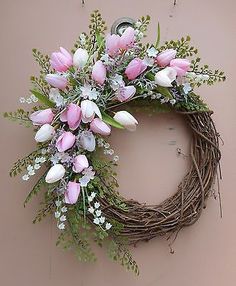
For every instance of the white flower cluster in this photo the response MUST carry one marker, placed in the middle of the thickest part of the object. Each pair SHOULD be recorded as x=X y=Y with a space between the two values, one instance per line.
x=32 y=168
x=97 y=213
x=107 y=150
x=60 y=214
x=31 y=99
x=197 y=77
x=88 y=174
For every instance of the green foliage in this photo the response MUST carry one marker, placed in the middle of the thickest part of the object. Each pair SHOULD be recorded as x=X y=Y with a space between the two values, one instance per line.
x=20 y=116
x=40 y=84
x=117 y=251
x=43 y=61
x=44 y=99
x=194 y=103
x=214 y=75
x=36 y=189
x=158 y=36
x=47 y=206
x=182 y=47
x=22 y=164
x=144 y=22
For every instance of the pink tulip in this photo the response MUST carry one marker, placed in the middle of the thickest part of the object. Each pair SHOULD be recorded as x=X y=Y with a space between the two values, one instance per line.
x=61 y=61
x=41 y=117
x=72 y=115
x=112 y=44
x=164 y=58
x=80 y=163
x=127 y=38
x=72 y=193
x=126 y=92
x=135 y=68
x=99 y=72
x=180 y=65
x=56 y=80
x=65 y=141
x=100 y=127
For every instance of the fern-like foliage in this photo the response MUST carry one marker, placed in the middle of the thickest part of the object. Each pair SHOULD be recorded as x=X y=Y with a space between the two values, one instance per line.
x=119 y=252
x=182 y=46
x=43 y=61
x=36 y=189
x=144 y=21
x=20 y=116
x=39 y=83
x=22 y=164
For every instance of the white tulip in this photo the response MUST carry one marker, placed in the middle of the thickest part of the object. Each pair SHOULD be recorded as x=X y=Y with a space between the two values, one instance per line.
x=55 y=174
x=165 y=77
x=80 y=58
x=45 y=133
x=87 y=141
x=89 y=109
x=126 y=119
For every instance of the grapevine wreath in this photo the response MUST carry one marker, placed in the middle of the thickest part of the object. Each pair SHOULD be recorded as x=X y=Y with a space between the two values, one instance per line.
x=81 y=95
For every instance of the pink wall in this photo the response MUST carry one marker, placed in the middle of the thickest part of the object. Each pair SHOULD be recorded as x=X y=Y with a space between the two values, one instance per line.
x=205 y=254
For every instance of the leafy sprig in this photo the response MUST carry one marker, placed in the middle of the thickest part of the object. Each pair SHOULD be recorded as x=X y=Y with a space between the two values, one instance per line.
x=20 y=116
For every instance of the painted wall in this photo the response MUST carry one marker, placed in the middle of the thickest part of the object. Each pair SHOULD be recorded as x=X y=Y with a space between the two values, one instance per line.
x=150 y=169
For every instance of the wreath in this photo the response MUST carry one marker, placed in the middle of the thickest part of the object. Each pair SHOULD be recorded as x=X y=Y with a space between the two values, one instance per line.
x=81 y=95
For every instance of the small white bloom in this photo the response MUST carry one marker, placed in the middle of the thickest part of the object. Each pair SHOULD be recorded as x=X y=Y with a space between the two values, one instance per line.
x=90 y=199
x=25 y=177
x=106 y=145
x=205 y=77
x=152 y=52
x=61 y=226
x=55 y=96
x=116 y=82
x=58 y=203
x=111 y=152
x=37 y=166
x=116 y=158
x=44 y=151
x=93 y=195
x=96 y=220
x=28 y=100
x=97 y=205
x=105 y=58
x=42 y=160
x=89 y=172
x=34 y=98
x=89 y=92
x=100 y=142
x=91 y=210
x=31 y=172
x=138 y=24
x=102 y=219
x=82 y=38
x=187 y=88
x=84 y=181
x=191 y=75
x=172 y=101
x=98 y=212
x=57 y=214
x=63 y=218
x=64 y=209
x=22 y=100
x=148 y=61
x=30 y=168
x=108 y=226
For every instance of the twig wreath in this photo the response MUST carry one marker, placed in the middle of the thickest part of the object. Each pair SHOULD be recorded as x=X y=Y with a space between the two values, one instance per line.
x=82 y=95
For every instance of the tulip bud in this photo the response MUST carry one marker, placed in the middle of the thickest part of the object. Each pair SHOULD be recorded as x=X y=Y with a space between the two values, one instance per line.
x=55 y=174
x=56 y=80
x=100 y=127
x=44 y=133
x=80 y=58
x=87 y=141
x=41 y=117
x=65 y=141
x=72 y=193
x=112 y=44
x=126 y=92
x=61 y=61
x=165 y=77
x=180 y=65
x=80 y=163
x=89 y=109
x=164 y=58
x=72 y=115
x=127 y=38
x=99 y=72
x=135 y=68
x=126 y=119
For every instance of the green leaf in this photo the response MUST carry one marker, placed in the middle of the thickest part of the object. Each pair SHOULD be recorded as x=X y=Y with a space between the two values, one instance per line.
x=109 y=120
x=43 y=98
x=164 y=91
x=158 y=36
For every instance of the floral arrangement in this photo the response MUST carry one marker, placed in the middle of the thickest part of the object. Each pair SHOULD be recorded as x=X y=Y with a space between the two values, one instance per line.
x=80 y=97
